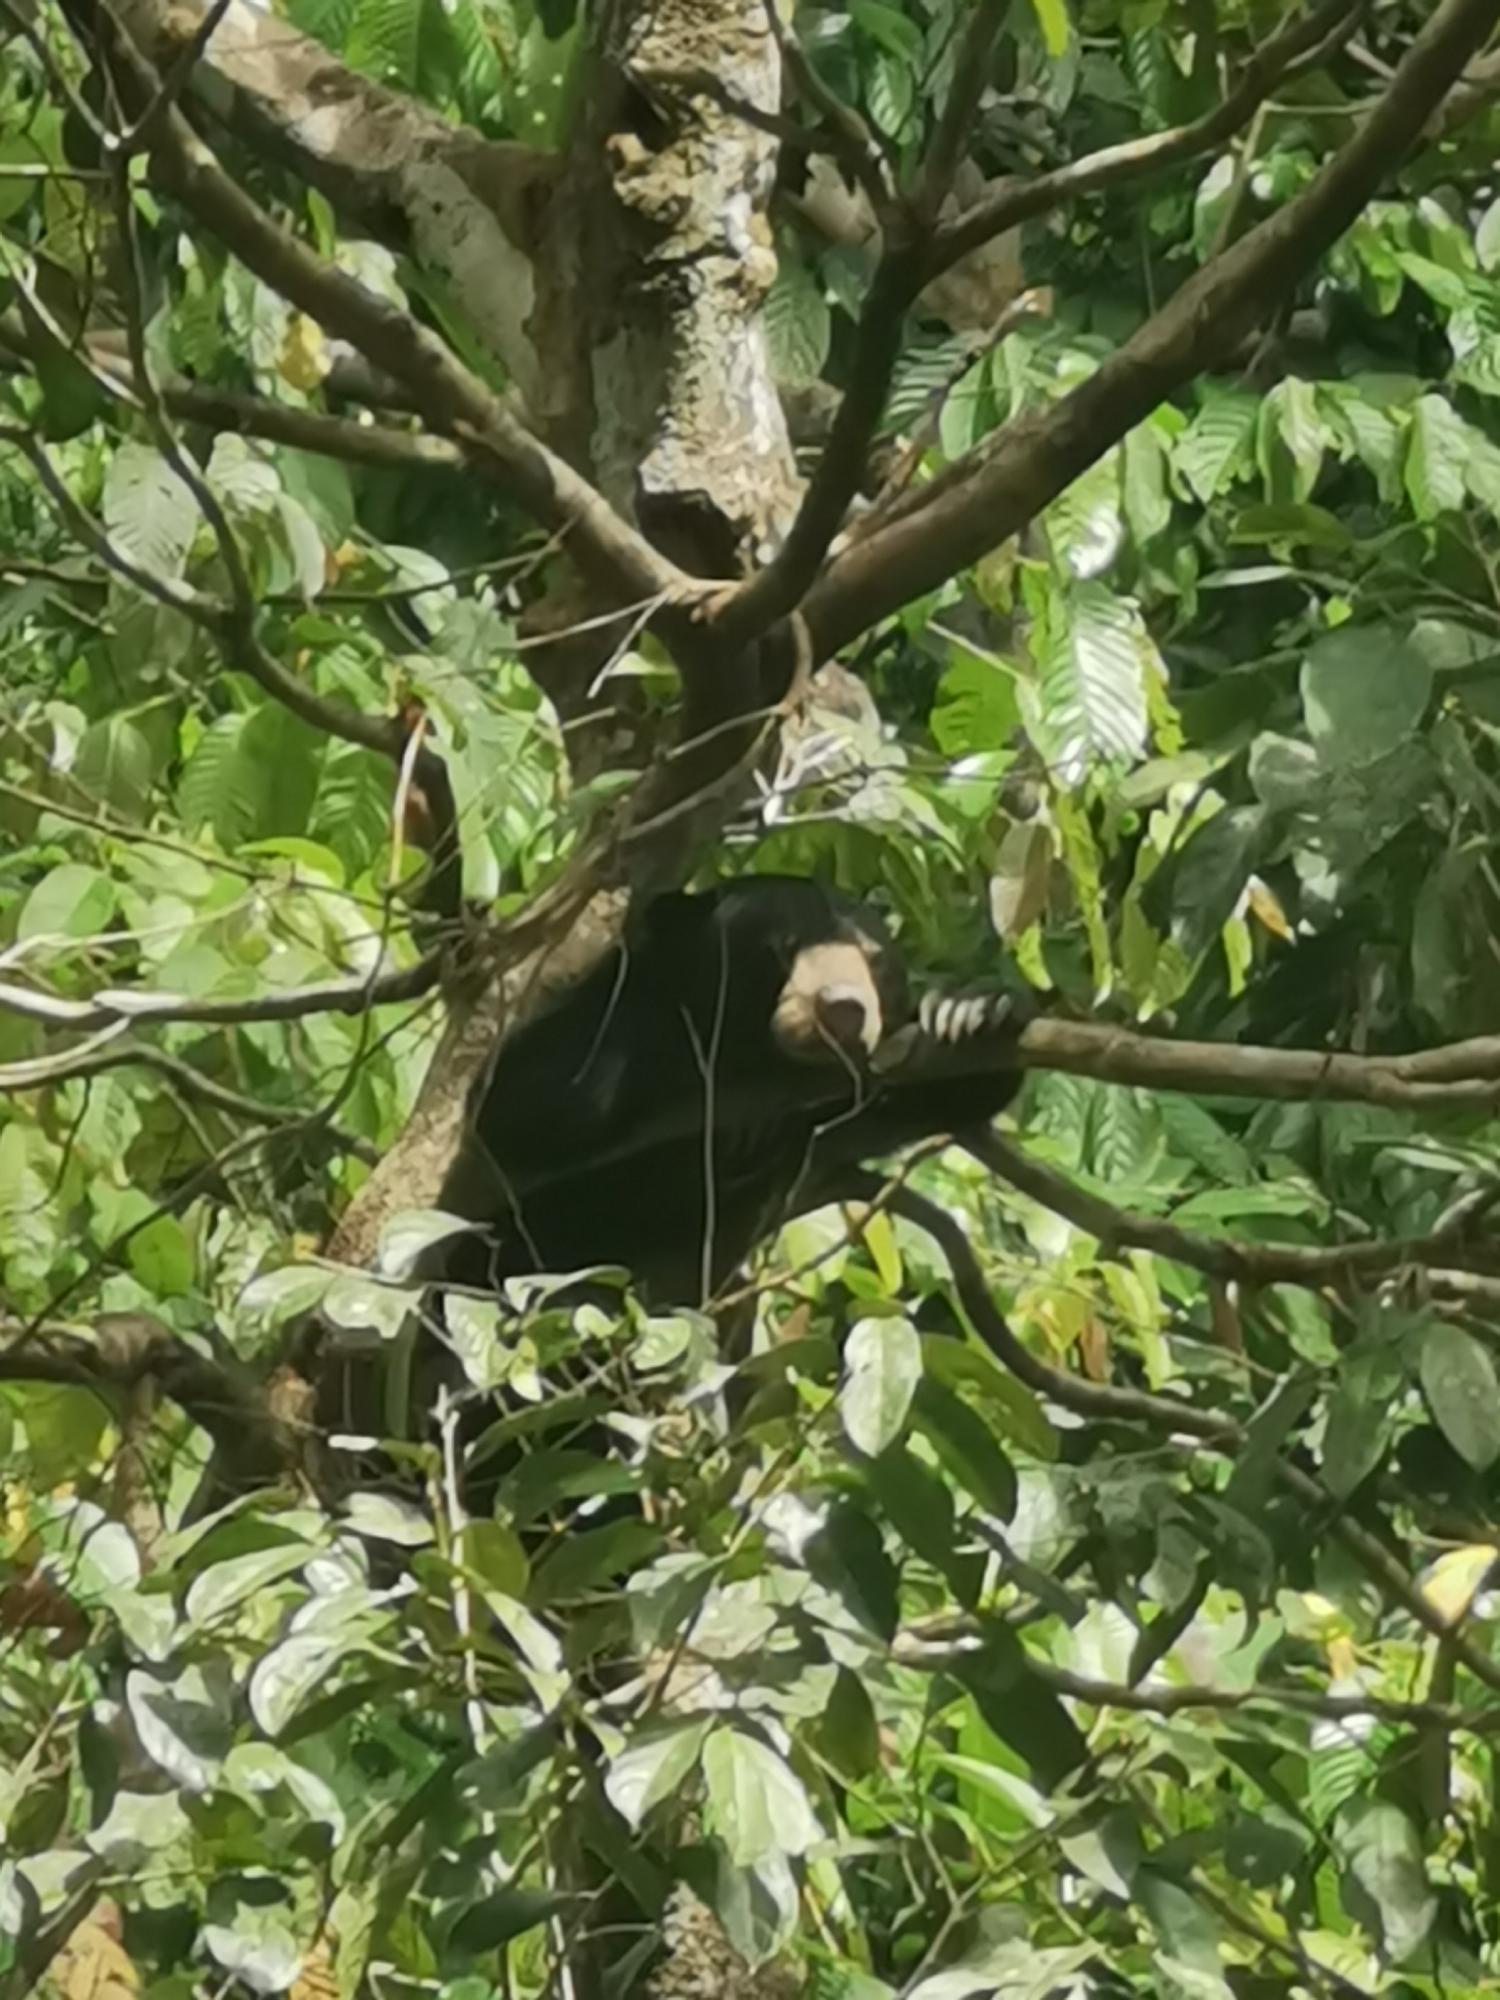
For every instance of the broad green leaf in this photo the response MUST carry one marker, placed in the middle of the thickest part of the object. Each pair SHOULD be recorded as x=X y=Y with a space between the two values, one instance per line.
x=70 y=902
x=847 y=1731
x=281 y=1295
x=404 y=1238
x=1363 y=693
x=756 y=1804
x=1361 y=1413
x=1093 y=678
x=1217 y=442
x=1458 y=1378
x=797 y=324
x=224 y=1585
x=967 y=1448
x=882 y=1367
x=1383 y=1853
x=1436 y=453
x=652 y=1768
x=149 y=513
x=287 y=1677
x=114 y=764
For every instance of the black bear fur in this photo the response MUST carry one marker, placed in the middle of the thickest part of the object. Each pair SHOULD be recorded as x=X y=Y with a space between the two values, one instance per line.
x=700 y=1086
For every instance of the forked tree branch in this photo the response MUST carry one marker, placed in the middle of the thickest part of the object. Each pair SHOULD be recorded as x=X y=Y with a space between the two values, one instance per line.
x=1307 y=38
x=450 y=397
x=995 y=490
x=1105 y=1401
x=296 y=1003
x=917 y=250
x=1231 y=1260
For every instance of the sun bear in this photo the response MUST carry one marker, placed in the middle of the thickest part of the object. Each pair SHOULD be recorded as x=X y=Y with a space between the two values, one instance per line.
x=701 y=1085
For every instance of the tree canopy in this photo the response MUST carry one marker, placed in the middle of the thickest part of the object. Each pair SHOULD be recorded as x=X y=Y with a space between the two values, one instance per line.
x=465 y=467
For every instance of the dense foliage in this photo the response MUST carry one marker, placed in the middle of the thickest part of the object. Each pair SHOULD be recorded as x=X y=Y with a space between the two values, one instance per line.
x=929 y=1678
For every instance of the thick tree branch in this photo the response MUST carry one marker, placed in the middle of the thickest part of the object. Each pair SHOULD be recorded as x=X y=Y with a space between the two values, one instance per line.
x=1021 y=199
x=255 y=1444
x=334 y=996
x=452 y=399
x=311 y=430
x=1217 y=1256
x=1458 y=1076
x=1297 y=1701
x=950 y=139
x=914 y=254
x=234 y=629
x=1105 y=1401
x=994 y=491
x=457 y=202
x=45 y=1072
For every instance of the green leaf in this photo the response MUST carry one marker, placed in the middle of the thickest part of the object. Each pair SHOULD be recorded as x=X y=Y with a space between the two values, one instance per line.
x=506 y=1914
x=798 y=324
x=976 y=707
x=1148 y=504
x=406 y=1236
x=1291 y=441
x=1016 y=1409
x=287 y=1677
x=70 y=902
x=224 y=1585
x=1459 y=1382
x=846 y=1730
x=494 y=1554
x=1057 y=29
x=1437 y=451
x=966 y=1448
x=882 y=1367
x=1291 y=524
x=149 y=513
x=38 y=145
x=1189 y=1952
x=1383 y=1853
x=1026 y=1715
x=278 y=761
x=385 y=39
x=388 y=1517
x=917 y=1504
x=1215 y=446
x=593 y=1556
x=114 y=764
x=653 y=1767
x=848 y=1556
x=756 y=1805
x=1487 y=237
x=162 y=1257
x=1364 y=691
x=549 y=1477
x=1362 y=1411
x=281 y=1295
x=1093 y=678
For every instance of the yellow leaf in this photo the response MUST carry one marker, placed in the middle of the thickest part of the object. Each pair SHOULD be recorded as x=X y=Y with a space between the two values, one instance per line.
x=880 y=1241
x=1265 y=904
x=93 y=1964
x=1456 y=1578
x=303 y=360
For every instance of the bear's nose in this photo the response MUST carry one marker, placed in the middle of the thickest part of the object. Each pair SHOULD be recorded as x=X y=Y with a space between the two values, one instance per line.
x=844 y=1016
